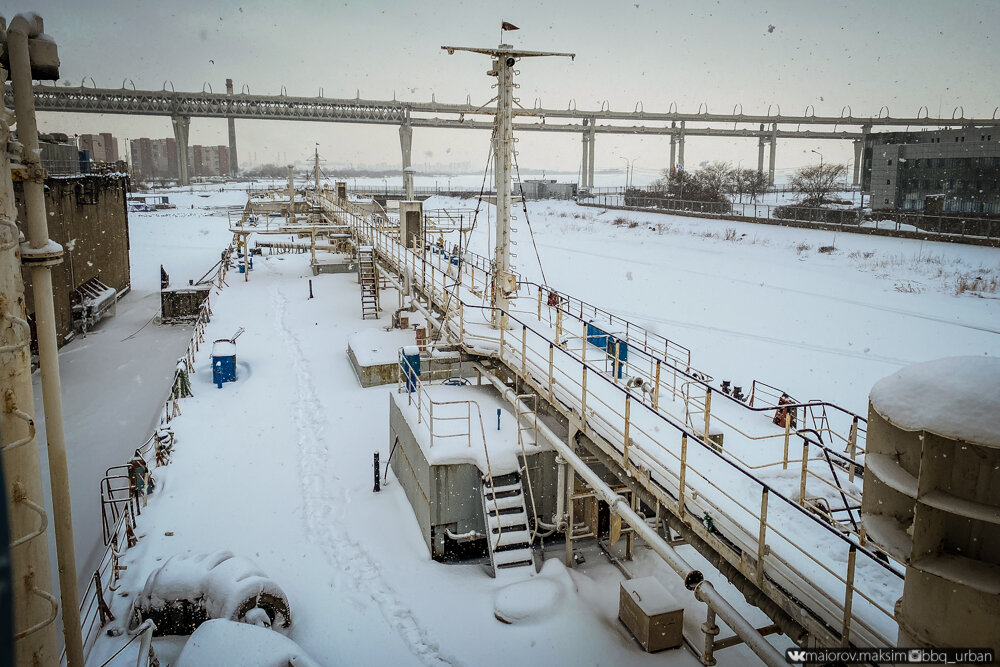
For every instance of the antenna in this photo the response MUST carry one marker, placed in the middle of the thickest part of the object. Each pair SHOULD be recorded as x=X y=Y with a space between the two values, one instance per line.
x=504 y=58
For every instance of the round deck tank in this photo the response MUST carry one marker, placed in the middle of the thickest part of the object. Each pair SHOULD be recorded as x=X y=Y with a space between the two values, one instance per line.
x=932 y=497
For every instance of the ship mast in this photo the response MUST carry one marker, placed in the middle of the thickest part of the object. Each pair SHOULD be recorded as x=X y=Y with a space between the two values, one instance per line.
x=504 y=58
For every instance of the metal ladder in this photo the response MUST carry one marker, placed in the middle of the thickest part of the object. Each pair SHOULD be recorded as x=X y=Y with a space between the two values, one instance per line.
x=368 y=277
x=507 y=534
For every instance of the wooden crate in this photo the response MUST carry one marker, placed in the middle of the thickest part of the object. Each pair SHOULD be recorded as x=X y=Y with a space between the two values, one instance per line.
x=651 y=613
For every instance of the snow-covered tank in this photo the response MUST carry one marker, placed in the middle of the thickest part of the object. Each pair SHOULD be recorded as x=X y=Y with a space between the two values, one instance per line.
x=188 y=590
x=932 y=497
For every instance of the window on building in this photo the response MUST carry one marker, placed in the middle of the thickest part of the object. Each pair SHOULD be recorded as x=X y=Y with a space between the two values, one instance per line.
x=889 y=163
x=940 y=162
x=888 y=182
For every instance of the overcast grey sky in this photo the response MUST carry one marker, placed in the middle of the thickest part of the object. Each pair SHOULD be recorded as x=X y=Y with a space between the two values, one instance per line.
x=899 y=53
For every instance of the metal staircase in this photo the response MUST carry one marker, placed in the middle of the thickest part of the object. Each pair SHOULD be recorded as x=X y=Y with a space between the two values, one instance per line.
x=507 y=532
x=368 y=277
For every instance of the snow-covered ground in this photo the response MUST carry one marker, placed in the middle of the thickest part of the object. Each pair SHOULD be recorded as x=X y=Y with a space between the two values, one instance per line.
x=290 y=486
x=820 y=314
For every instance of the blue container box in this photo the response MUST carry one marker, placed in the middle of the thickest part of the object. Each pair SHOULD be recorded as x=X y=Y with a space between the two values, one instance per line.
x=410 y=364
x=223 y=361
x=596 y=336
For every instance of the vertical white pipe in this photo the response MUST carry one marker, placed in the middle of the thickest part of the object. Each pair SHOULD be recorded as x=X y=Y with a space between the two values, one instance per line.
x=41 y=280
x=22 y=471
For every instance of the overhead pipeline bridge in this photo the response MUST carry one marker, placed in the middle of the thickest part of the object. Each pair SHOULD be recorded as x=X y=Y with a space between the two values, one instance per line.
x=181 y=106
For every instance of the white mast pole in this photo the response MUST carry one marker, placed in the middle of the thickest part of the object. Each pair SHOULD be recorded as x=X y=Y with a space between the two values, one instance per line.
x=504 y=59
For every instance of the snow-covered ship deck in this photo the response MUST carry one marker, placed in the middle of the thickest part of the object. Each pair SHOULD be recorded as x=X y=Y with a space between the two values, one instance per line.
x=277 y=468
x=296 y=419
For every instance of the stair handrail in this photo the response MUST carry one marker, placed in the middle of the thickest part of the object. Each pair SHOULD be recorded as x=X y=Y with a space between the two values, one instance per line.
x=523 y=398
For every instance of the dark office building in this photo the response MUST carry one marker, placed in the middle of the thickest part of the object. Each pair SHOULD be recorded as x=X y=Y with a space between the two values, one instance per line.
x=939 y=171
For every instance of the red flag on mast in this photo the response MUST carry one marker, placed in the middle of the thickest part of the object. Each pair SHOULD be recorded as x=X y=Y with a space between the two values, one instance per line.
x=508 y=26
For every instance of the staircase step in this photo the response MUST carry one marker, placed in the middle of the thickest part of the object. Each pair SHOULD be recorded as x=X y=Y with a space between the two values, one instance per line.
x=510 y=538
x=519 y=557
x=507 y=520
x=499 y=489
x=506 y=502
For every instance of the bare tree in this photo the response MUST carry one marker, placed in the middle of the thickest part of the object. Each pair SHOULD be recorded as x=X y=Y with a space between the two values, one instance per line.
x=816 y=182
x=716 y=180
x=749 y=182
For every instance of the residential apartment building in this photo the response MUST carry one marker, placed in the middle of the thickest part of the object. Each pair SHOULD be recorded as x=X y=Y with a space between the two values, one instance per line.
x=103 y=147
x=157 y=158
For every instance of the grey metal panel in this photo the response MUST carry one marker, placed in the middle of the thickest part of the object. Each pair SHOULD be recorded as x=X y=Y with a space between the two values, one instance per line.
x=411 y=469
x=457 y=497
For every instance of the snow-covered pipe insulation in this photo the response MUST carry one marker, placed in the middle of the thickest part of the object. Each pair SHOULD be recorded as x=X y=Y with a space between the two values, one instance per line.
x=40 y=253
x=704 y=591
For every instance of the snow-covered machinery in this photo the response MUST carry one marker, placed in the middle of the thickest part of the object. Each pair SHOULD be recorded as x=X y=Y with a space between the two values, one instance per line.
x=186 y=591
x=92 y=301
x=932 y=471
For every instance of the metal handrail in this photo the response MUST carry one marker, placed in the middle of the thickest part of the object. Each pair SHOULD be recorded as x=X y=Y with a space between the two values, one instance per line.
x=390 y=253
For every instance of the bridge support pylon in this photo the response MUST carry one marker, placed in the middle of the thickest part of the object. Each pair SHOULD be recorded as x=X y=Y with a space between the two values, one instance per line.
x=406 y=147
x=760 y=150
x=680 y=146
x=590 y=158
x=774 y=145
x=182 y=124
x=234 y=165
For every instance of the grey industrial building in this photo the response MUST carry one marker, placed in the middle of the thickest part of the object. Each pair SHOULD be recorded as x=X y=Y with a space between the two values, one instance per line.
x=940 y=171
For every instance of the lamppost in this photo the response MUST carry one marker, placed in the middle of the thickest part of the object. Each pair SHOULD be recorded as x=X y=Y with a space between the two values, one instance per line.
x=820 y=181
x=820 y=159
x=629 y=169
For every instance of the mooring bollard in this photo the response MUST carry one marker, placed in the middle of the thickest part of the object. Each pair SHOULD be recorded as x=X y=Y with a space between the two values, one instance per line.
x=310 y=289
x=498 y=419
x=378 y=479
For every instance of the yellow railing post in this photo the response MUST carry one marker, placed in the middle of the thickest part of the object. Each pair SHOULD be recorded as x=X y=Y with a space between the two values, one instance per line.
x=559 y=325
x=551 y=378
x=583 y=400
x=788 y=433
x=524 y=351
x=845 y=635
x=852 y=446
x=583 y=348
x=628 y=408
x=656 y=386
x=805 y=466
x=615 y=365
x=539 y=304
x=683 y=476
x=762 y=535
x=708 y=411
